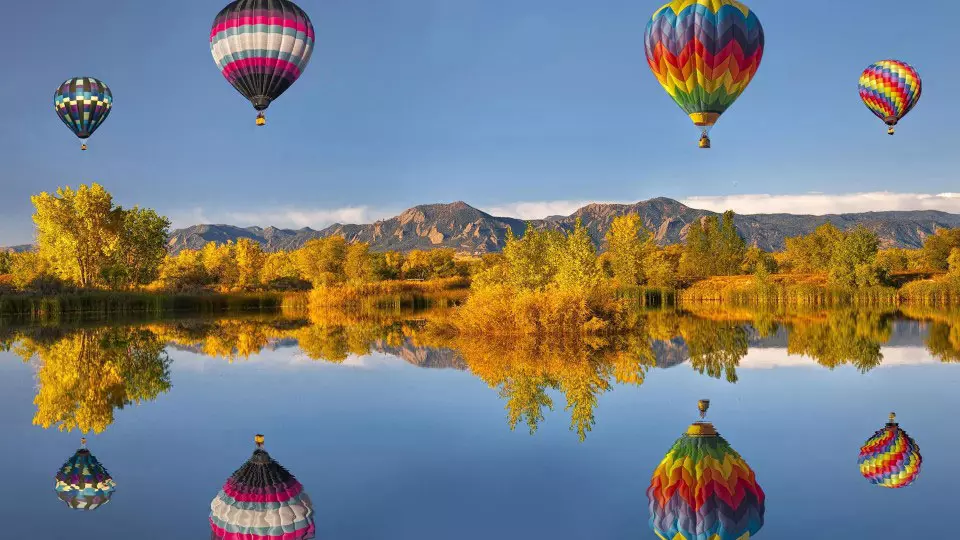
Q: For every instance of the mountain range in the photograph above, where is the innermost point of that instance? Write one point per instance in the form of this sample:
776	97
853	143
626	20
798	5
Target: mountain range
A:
471	231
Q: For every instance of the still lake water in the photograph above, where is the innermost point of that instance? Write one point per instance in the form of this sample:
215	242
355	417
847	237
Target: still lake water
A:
399	432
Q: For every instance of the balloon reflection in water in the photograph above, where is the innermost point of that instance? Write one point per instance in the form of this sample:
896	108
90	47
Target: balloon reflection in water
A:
262	500
890	458
704	490
82	482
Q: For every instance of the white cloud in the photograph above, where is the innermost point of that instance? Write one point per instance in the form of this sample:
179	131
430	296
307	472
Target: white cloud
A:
535	209
822	203
287	217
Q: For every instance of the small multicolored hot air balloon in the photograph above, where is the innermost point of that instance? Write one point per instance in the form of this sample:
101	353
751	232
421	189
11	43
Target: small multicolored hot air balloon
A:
890	89
704	53
83	483
262	48
262	500
890	458
704	490
83	103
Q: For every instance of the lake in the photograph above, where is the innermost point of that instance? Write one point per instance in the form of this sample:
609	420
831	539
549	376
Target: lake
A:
398	429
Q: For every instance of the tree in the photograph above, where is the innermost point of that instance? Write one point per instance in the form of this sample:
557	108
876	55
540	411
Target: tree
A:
6	259
219	262
184	272
32	272
629	245
754	258
140	249
280	272
87	240
853	263
250	261
576	260
937	248
812	253
357	264
713	247
77	231
730	247
320	261
530	260
954	263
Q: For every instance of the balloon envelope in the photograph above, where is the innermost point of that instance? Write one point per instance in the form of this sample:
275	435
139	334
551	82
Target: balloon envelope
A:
704	490
890	89
890	458
83	104
83	483
262	501
262	47
704	53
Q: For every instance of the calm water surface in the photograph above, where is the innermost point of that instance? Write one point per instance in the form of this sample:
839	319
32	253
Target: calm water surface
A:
399	431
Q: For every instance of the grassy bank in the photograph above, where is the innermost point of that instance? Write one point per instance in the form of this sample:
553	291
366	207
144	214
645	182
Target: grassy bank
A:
814	290
103	304
387	294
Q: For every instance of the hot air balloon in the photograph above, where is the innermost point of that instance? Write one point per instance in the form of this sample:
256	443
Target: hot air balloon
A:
704	490
890	89
890	458
83	103
82	482
704	53
262	500
262	47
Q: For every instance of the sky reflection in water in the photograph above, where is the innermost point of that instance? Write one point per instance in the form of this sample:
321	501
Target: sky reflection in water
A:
400	431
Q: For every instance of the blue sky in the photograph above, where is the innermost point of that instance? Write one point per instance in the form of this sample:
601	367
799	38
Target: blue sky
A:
495	102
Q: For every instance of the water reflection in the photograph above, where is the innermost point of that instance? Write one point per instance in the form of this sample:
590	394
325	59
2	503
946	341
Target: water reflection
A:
262	500
704	489
82	482
85	373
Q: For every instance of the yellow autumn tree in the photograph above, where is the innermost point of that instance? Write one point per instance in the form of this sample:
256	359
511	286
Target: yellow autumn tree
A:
250	260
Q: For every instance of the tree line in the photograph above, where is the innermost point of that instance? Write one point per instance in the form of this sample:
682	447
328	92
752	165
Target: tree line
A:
85	241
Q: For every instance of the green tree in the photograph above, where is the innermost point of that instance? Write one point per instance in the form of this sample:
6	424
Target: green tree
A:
937	248
754	258
6	260
853	263
729	246
140	249
812	253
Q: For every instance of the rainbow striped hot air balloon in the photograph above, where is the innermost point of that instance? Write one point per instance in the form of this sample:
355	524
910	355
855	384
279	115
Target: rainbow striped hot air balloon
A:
704	490
83	483
262	48
890	89
890	458
704	53
262	501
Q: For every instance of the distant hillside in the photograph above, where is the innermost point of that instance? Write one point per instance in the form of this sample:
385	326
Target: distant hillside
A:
472	231
16	249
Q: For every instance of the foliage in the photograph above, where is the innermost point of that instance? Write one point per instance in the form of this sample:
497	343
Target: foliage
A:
88	241
853	261
629	247
713	247
938	246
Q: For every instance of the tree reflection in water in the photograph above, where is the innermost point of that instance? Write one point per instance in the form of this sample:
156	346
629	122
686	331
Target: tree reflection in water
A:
85	374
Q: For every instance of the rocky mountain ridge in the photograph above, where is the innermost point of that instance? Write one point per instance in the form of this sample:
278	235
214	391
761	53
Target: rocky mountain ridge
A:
471	231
